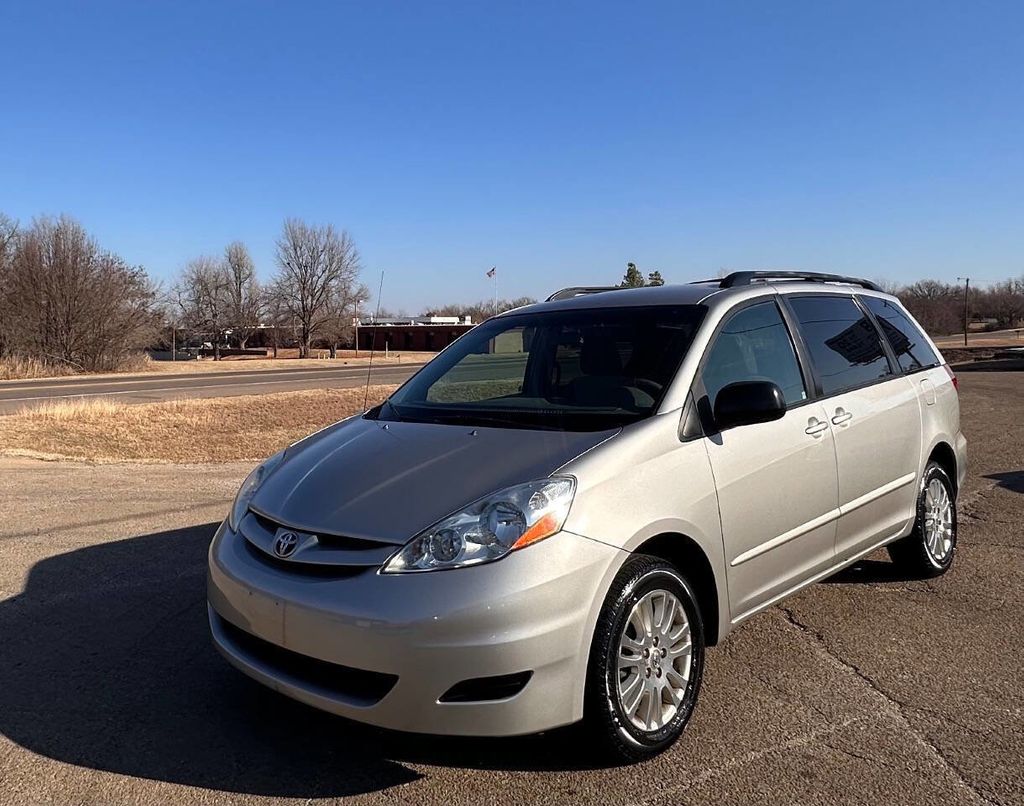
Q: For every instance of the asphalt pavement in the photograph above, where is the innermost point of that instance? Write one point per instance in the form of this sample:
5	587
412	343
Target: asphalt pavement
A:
869	688
15	395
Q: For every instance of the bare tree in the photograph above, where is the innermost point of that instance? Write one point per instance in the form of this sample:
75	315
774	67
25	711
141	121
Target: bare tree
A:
937	306
8	232
1003	302
277	316
315	264
65	300
343	309
203	296
245	296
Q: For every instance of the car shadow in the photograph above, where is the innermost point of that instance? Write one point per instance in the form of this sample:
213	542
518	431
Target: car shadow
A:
870	571
107	663
1012	480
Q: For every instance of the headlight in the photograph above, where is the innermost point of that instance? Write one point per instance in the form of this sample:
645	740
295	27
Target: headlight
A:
249	487
490	528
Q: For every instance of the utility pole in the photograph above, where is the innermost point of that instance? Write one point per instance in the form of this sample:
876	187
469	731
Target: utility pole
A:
967	289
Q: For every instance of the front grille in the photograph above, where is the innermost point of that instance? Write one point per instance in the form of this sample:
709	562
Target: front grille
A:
321	570
327	555
357	686
331	540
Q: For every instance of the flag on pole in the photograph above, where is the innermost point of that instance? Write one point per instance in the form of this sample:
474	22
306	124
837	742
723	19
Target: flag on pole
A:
493	271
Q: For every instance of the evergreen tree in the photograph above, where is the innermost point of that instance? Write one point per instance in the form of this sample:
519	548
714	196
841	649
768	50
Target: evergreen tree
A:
632	278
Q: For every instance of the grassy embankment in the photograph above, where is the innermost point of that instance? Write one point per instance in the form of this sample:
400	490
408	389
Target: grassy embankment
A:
249	427
140	364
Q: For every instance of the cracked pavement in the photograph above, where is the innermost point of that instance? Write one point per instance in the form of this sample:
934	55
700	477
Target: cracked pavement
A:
864	689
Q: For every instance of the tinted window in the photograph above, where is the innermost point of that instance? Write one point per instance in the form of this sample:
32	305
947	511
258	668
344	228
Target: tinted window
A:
844	345
907	341
569	369
754	345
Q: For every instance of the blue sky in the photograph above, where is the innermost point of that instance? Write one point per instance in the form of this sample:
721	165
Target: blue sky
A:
554	140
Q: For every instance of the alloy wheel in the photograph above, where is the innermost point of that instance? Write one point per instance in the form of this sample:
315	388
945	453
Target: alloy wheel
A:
938	520
654	660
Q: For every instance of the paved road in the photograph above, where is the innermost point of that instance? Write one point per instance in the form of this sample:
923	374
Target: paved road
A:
978	338
147	389
867	689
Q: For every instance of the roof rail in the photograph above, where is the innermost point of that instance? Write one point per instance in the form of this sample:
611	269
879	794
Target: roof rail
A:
581	291
738	278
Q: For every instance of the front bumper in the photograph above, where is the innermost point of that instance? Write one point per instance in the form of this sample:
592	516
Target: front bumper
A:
533	611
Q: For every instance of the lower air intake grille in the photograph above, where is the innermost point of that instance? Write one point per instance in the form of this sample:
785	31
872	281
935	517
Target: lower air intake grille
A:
355	685
482	689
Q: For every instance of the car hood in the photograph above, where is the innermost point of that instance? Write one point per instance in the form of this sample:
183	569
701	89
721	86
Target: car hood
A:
389	481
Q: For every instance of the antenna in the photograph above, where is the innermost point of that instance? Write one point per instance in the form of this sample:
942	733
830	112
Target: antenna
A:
373	341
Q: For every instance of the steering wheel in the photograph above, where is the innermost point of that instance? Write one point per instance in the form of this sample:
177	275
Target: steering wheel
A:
653	388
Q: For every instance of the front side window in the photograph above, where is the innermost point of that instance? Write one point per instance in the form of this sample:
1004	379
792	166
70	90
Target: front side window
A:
844	345
569	369
754	345
906	339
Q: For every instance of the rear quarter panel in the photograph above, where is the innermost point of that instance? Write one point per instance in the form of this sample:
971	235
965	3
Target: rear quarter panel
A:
940	416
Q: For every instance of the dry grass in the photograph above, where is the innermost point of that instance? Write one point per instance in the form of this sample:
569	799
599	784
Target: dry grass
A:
243	364
141	364
17	368
224	429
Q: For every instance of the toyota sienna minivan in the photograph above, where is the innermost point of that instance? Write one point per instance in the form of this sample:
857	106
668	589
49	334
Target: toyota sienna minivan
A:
553	519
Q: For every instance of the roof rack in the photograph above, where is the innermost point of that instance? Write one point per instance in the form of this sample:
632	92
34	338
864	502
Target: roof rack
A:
738	278
581	291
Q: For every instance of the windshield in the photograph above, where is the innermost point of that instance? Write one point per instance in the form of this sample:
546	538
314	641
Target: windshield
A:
577	370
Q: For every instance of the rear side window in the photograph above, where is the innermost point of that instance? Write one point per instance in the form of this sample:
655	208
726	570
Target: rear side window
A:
906	339
754	345
844	345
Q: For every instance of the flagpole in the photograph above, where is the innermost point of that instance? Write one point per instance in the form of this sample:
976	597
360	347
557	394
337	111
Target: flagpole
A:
493	276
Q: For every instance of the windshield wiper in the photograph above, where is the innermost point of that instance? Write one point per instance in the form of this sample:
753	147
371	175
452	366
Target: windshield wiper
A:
394	410
474	418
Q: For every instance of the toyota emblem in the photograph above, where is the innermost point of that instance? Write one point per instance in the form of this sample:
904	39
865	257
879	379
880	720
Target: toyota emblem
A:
286	544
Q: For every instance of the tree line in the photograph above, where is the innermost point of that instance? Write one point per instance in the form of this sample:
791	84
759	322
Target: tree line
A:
67	302
313	297
939	306
478	311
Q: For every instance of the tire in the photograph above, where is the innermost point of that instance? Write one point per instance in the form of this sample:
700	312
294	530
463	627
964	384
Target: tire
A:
924	553
610	719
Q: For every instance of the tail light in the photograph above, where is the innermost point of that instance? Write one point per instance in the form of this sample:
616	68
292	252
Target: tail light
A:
952	377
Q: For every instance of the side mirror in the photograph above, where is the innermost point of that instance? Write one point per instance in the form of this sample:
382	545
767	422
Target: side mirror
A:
748	402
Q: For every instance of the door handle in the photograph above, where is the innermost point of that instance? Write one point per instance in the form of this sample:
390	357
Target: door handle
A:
841	416
816	427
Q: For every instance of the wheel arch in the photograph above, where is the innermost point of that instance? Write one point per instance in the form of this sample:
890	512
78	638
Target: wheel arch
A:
693	563
942	453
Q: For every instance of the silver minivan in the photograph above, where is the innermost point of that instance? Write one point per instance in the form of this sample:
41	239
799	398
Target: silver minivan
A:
553	519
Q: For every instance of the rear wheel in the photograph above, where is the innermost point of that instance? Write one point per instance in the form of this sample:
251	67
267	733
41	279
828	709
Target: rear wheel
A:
646	661
928	550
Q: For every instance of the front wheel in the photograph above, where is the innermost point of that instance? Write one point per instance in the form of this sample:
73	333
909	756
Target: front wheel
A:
928	550
646	661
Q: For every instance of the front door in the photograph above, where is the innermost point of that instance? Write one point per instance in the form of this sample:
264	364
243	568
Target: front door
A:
776	481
